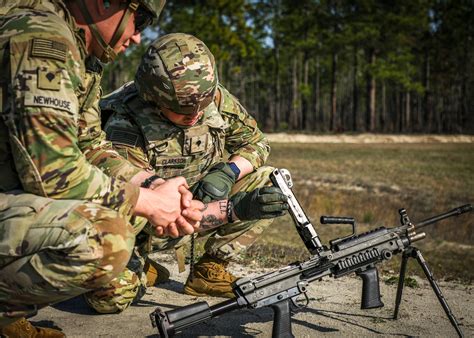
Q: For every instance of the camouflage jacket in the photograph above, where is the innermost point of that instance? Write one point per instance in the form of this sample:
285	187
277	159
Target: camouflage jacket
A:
141	133
50	137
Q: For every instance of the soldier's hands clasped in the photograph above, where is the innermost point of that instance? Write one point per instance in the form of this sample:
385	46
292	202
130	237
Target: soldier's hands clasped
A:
266	202
170	208
216	185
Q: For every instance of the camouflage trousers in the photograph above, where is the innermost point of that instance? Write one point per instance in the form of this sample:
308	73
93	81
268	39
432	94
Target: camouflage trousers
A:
223	242
53	250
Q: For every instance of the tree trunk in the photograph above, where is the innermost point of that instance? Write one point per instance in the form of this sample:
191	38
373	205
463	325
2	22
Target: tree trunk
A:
383	115
371	92
355	91
293	120
333	114
407	111
428	101
317	111
305	120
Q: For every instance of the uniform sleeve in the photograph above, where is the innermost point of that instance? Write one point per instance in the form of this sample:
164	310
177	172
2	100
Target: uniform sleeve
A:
92	140
46	74
243	137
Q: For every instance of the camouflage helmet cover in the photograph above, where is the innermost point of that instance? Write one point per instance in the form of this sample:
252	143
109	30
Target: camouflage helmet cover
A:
177	72
154	7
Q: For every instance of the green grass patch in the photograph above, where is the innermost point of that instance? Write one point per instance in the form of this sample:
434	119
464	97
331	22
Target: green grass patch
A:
409	282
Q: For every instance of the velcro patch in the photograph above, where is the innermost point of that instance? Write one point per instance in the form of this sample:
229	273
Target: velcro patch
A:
48	49
49	79
38	100
171	162
125	137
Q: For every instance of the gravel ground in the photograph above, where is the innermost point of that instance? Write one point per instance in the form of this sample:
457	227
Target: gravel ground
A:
334	310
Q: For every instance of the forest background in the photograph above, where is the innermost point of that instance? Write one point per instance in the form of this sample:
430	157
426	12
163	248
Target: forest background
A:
333	66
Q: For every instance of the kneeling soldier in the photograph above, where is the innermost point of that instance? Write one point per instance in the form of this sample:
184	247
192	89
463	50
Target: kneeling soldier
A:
177	119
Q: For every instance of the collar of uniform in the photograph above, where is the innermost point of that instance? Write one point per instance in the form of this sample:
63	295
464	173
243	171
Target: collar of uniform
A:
94	65
79	33
212	117
60	8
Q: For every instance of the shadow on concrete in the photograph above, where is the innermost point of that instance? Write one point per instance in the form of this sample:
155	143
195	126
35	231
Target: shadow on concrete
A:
75	305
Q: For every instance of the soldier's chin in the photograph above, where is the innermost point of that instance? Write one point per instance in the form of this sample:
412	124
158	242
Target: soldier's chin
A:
187	124
190	123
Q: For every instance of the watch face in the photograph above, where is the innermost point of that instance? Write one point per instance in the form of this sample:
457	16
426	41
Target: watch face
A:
235	169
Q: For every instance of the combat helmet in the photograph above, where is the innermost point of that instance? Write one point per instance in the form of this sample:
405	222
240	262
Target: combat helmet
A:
146	12
177	72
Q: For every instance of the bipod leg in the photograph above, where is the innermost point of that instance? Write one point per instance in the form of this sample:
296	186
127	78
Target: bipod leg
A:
417	254
401	281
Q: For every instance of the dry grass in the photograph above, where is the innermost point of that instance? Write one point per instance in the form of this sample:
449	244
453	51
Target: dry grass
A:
370	183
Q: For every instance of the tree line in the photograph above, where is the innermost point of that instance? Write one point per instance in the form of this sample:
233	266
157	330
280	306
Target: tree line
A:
334	65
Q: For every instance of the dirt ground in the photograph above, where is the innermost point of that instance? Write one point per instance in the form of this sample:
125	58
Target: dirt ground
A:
334	310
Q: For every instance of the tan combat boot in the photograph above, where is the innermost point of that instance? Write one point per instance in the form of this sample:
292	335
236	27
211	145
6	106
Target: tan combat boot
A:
210	278
155	273
23	329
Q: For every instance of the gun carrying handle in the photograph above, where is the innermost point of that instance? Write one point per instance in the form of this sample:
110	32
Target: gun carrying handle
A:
282	320
370	289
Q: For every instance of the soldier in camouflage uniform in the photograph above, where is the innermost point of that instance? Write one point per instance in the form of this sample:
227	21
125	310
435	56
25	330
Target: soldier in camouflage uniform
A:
177	119
64	222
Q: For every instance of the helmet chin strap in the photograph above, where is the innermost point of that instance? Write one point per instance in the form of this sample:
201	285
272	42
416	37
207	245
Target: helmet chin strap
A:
108	53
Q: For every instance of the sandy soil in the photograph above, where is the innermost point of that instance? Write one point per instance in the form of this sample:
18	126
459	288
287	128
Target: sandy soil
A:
334	310
369	138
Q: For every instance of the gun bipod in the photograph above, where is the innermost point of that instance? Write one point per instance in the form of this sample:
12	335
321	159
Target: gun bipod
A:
412	252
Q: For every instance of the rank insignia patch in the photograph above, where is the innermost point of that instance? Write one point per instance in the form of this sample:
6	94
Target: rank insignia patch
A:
48	49
49	79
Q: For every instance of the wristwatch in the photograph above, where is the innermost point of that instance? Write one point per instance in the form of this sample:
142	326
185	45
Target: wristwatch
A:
147	182
234	169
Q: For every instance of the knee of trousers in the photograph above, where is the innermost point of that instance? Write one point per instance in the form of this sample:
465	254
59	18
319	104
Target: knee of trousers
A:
59	249
109	245
118	294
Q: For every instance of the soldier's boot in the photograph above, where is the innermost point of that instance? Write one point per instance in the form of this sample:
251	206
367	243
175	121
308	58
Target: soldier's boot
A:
155	273
24	329
210	278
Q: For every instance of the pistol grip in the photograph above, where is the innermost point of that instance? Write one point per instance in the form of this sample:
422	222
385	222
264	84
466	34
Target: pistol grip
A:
370	289
282	320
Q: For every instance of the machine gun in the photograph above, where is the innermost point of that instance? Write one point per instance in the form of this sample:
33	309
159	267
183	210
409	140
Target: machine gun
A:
282	289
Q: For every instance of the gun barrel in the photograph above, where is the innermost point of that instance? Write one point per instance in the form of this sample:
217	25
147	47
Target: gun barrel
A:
455	212
226	306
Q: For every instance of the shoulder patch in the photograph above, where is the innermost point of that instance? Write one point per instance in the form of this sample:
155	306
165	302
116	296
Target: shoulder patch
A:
49	79
40	100
48	49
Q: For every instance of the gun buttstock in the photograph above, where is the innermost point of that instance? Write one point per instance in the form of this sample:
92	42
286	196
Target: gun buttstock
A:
170	322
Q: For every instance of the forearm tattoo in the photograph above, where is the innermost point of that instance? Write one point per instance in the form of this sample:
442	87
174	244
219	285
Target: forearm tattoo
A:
211	221
223	207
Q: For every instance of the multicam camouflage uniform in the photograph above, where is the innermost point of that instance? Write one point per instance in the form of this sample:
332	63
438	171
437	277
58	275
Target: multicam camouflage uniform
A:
64	224
146	138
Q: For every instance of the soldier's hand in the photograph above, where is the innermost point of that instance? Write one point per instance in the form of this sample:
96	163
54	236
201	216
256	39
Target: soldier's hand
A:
164	205
266	202
216	185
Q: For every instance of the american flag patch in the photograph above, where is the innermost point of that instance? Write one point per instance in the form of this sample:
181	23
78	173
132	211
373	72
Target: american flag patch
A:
48	49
